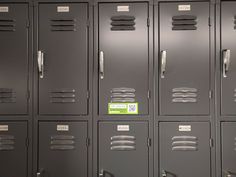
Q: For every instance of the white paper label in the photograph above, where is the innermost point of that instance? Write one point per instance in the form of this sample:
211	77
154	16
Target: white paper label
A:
122	8
63	9
3	128
123	128
185	128
184	7
62	127
4	9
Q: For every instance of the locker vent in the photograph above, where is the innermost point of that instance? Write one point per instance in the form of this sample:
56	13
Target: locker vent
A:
123	23
7	95
184	143
63	25
234	95
184	22
62	142
123	95
63	96
235	143
184	95
7	142
123	143
7	25
235	22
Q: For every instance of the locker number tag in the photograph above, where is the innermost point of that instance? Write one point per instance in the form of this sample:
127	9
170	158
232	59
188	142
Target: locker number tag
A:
122	8
3	128
63	9
122	128
185	128
184	7
4	9
63	128
122	108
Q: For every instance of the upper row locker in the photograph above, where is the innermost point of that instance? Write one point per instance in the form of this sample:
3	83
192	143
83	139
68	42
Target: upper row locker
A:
63	58
184	49
123	46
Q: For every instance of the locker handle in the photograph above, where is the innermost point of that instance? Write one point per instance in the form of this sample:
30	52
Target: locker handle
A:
101	64
41	64
164	173
226	62
40	173
163	63
102	173
228	174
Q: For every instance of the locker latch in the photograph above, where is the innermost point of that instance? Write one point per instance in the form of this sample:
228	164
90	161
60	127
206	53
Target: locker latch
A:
164	173
40	173
228	174
41	63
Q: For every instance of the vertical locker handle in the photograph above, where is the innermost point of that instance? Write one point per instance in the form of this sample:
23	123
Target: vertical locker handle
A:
163	63
226	62
41	64
101	64
164	173
102	173
40	173
228	174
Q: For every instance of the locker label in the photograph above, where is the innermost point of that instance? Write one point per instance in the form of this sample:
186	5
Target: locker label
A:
185	128
63	9
122	8
122	108
122	128
4	9
3	128
184	7
62	127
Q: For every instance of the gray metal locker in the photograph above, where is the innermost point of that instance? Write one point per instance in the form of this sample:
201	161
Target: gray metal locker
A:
14	35
123	58
63	58
228	143
184	58
62	149
185	149
13	149
123	149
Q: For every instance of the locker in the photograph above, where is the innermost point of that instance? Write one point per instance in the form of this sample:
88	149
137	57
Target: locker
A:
63	58
123	58
14	34
62	149
185	149
13	147
123	149
228	143
184	57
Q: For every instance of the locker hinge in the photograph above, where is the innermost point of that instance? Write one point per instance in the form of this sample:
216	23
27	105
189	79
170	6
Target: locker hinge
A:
27	142
28	94
149	94
148	22
27	24
211	143
88	94
209	21
87	142
210	94
88	23
149	142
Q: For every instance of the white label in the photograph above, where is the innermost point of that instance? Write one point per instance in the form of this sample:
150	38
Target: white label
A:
63	9
184	7
123	128
122	8
4	9
185	128
62	127
3	128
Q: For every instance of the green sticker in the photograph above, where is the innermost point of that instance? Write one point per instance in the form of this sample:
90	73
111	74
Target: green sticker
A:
122	108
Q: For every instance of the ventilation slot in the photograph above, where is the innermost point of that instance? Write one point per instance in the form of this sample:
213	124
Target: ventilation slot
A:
7	25
184	95
123	143
63	25
62	142
120	23
7	142
184	22
123	95
235	143
7	95
184	143
235	22
234	95
63	96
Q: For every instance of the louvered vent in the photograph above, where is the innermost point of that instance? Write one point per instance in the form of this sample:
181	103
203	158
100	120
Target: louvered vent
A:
184	95
7	142
122	143
235	143
184	143
235	95
7	25
235	22
120	23
123	95
184	22
62	142
63	25
63	96
7	95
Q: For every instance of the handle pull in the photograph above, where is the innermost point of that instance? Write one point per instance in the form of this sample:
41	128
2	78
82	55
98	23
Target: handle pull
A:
163	63
101	64
102	173
228	174
164	173
226	62
41	64
40	173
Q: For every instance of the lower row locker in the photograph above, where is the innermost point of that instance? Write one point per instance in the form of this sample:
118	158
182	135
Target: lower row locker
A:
123	149
62	149
13	149
185	149
228	144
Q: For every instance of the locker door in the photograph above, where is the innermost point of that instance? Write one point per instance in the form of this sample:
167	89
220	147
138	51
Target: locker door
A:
123	57
14	58
123	149
62	58
228	53
184	58
13	149
62	149
185	149
228	144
